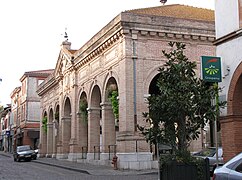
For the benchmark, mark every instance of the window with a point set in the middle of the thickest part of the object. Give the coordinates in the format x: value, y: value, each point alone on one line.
x: 239, y: 168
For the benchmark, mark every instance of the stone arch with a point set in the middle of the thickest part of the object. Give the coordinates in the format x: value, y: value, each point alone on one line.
x: 51, y: 115
x: 234, y: 93
x: 94, y: 119
x: 110, y: 115
x: 82, y: 124
x: 67, y: 107
x: 109, y: 75
x: 151, y: 75
x: 66, y: 125
x: 111, y: 86
x: 153, y: 88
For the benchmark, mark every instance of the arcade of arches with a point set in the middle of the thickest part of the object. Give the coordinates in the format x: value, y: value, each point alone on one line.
x: 81, y: 122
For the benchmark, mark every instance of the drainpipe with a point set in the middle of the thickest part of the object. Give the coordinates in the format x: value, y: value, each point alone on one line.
x: 134, y: 57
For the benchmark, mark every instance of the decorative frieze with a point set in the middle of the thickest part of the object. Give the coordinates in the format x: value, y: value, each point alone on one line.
x: 152, y: 33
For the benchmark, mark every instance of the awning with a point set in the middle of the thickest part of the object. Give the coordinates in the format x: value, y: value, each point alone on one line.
x: 33, y: 134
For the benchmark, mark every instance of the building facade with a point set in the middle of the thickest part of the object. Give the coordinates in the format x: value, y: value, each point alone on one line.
x: 124, y: 57
x: 228, y: 42
x: 6, y: 130
x: 25, y: 105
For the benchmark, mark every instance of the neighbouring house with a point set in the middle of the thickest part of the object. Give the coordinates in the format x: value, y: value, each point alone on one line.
x: 25, y: 108
x: 123, y: 57
x: 6, y: 129
x: 229, y: 47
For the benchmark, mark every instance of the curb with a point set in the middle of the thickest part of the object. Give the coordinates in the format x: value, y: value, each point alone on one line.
x: 64, y: 167
x: 6, y: 155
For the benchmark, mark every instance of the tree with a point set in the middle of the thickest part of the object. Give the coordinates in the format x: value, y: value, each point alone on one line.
x: 183, y: 104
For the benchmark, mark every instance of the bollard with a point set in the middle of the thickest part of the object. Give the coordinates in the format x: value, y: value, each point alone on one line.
x: 115, y: 162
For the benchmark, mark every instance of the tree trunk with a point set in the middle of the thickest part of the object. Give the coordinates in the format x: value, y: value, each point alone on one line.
x: 181, y: 134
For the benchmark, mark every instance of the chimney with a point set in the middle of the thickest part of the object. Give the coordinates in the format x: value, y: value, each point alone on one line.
x: 67, y: 45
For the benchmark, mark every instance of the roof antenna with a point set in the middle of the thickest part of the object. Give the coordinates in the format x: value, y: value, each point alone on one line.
x: 163, y: 1
x: 66, y: 36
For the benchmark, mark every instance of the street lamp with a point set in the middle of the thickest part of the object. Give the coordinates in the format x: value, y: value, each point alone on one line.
x: 163, y: 1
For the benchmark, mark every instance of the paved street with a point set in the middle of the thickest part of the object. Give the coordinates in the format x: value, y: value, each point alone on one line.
x: 46, y: 168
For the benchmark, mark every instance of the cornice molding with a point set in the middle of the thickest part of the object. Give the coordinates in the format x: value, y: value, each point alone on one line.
x: 228, y: 37
x: 121, y: 32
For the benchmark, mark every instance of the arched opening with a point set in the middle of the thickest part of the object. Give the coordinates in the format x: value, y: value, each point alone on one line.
x: 153, y: 88
x: 83, y: 125
x: 113, y: 98
x: 110, y: 111
x: 95, y: 123
x: 66, y: 126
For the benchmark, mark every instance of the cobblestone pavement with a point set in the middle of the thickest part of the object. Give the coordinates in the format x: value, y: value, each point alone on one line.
x: 95, y: 171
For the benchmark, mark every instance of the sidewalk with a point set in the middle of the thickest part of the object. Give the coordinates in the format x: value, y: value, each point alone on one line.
x: 85, y: 167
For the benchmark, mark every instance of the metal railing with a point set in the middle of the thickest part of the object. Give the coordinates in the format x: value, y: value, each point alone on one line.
x: 97, y: 152
x: 112, y: 151
x: 84, y: 152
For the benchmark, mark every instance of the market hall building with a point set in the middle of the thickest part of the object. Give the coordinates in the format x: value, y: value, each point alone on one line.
x: 124, y: 56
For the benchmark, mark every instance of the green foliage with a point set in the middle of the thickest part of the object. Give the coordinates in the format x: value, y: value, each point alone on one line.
x: 113, y: 97
x: 183, y: 104
x: 83, y: 109
x: 44, y: 123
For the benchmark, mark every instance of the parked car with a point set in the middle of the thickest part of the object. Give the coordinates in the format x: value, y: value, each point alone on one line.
x: 232, y: 170
x: 25, y: 153
x: 210, y: 153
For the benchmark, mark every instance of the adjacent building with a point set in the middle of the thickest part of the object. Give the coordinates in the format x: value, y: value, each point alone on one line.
x: 228, y: 41
x: 6, y: 129
x: 25, y: 108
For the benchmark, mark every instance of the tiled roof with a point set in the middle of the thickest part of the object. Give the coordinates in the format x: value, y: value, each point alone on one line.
x: 72, y: 51
x: 177, y: 11
x: 40, y: 73
x: 48, y: 71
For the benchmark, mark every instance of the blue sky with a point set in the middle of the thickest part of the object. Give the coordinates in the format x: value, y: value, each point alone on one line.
x: 31, y: 31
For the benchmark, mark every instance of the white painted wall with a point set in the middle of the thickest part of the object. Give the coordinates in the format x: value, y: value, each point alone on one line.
x: 231, y: 57
x: 226, y: 17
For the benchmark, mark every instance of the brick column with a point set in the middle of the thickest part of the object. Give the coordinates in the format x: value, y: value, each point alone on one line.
x: 231, y: 135
x: 55, y: 134
x: 59, y: 145
x: 43, y: 144
x: 108, y: 127
x: 93, y: 128
x: 74, y: 95
x: 49, y: 139
x: 66, y: 134
x: 82, y: 131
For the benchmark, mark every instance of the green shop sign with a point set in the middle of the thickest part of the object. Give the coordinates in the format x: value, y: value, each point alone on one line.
x: 211, y: 69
